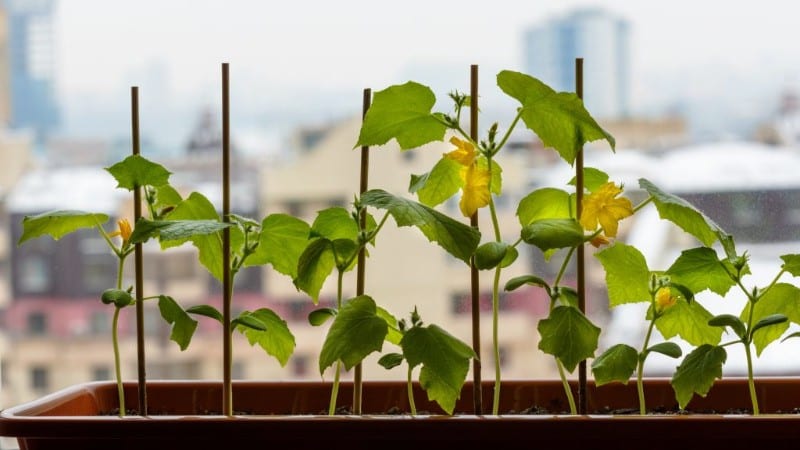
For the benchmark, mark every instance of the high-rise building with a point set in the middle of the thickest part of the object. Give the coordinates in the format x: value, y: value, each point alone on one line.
x: 5, y: 87
x: 602, y: 40
x: 32, y: 68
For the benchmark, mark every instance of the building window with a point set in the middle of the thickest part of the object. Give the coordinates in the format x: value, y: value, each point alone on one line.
x: 238, y: 371
x: 300, y: 366
x: 101, y: 373
x: 40, y: 378
x: 34, y: 274
x: 37, y: 323
x: 99, y: 323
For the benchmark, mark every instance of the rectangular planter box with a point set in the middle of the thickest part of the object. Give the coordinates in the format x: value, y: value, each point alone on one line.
x: 185, y: 414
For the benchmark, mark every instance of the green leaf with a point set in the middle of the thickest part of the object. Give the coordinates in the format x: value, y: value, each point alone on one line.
x: 592, y: 179
x: 283, y: 239
x: 174, y: 230
x: 511, y: 255
x: 445, y: 363
x: 314, y: 266
x: 700, y: 269
x: 344, y: 251
x: 438, y: 185
x: 206, y: 311
x: 246, y: 321
x: 791, y: 264
x: 670, y: 349
x: 391, y: 360
x: 729, y: 320
x: 394, y: 335
x: 545, y: 203
x: 356, y: 332
x: 198, y: 207
x: 791, y: 336
x: 166, y: 197
x: 276, y: 340
x: 401, y: 112
x: 135, y: 170
x: 782, y: 298
x: 516, y: 282
x: 335, y: 223
x: 458, y: 239
x: 697, y: 372
x: 683, y: 214
x: 566, y: 296
x: 627, y: 275
x: 320, y: 316
x: 183, y: 326
x: 558, y: 118
x: 690, y: 322
x: 550, y: 234
x: 56, y: 224
x: 769, y: 321
x: 568, y: 335
x: 490, y: 254
x: 615, y: 364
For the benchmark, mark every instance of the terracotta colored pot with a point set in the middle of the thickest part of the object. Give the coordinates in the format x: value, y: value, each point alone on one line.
x: 284, y: 414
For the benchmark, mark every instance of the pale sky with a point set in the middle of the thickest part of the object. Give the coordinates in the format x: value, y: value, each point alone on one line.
x: 360, y: 42
x: 283, y: 53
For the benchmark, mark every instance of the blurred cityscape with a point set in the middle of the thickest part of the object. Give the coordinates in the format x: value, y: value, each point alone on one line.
x: 55, y: 332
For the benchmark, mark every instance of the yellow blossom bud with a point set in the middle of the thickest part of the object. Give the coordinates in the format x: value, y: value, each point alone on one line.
x: 665, y: 299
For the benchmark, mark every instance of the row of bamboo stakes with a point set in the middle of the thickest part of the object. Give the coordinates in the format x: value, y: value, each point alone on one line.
x: 227, y: 408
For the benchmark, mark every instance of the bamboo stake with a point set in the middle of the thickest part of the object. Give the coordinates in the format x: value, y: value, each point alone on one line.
x: 581, y: 262
x: 138, y: 264
x: 227, y: 351
x: 477, y: 390
x: 362, y: 254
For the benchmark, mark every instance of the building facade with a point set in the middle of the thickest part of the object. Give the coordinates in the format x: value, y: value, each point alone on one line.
x: 31, y: 60
x: 602, y: 39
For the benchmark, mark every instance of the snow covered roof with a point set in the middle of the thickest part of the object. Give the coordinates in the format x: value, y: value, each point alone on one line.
x: 719, y: 166
x: 727, y: 166
x: 84, y: 188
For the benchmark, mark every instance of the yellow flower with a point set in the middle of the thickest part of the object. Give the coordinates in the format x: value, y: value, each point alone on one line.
x: 602, y: 207
x: 124, y: 230
x: 464, y: 153
x: 665, y: 299
x: 475, y: 192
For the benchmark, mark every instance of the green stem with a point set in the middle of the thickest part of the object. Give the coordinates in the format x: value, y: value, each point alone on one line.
x: 750, y: 382
x: 567, y: 389
x: 747, y: 353
x: 410, y: 388
x: 115, y: 342
x: 640, y: 368
x: 496, y: 340
x: 642, y: 205
x: 563, y: 268
x: 508, y: 132
x: 335, y: 389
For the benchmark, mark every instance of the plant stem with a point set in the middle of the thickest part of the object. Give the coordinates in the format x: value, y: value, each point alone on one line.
x: 335, y: 389
x: 567, y: 389
x: 640, y: 368
x: 410, y: 388
x: 746, y: 341
x: 750, y: 382
x: 115, y: 342
x: 115, y: 339
x: 496, y: 340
